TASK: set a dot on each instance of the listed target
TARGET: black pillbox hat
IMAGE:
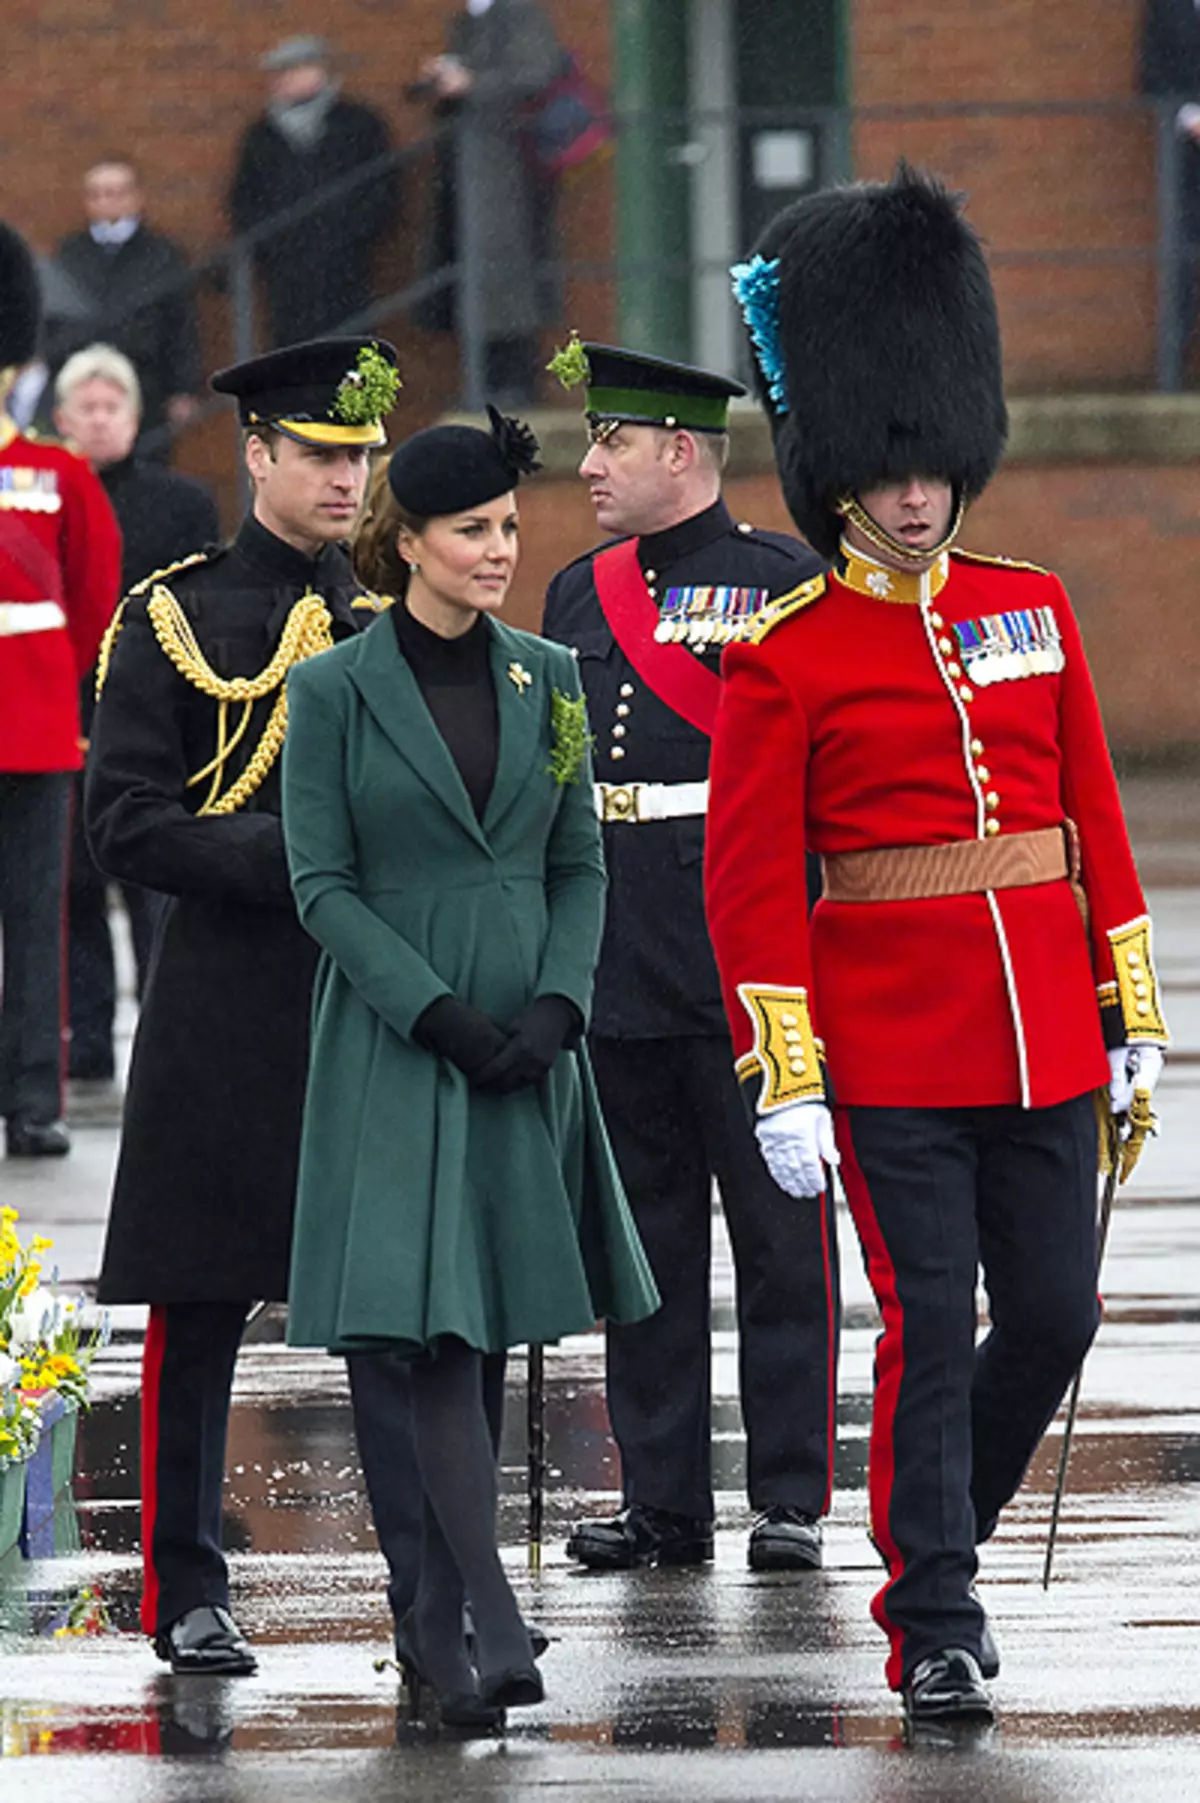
(448, 469)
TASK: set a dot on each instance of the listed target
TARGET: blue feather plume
(756, 290)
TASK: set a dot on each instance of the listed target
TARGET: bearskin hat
(877, 347)
(20, 299)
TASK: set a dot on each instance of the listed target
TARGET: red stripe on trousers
(152, 1358)
(889, 1371)
(832, 1344)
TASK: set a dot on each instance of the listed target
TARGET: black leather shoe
(947, 1685)
(207, 1640)
(36, 1139)
(517, 1687)
(641, 1536)
(785, 1539)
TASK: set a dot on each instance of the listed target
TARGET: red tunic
(866, 722)
(59, 543)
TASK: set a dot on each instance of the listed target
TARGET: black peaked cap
(298, 387)
(448, 469)
(890, 344)
(20, 300)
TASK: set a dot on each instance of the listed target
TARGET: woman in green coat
(457, 1195)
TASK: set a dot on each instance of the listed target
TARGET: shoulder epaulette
(1006, 563)
(209, 555)
(785, 606)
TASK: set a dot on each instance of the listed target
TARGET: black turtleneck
(455, 679)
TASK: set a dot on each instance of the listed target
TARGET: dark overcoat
(657, 977)
(142, 300)
(205, 1186)
(426, 1207)
(512, 53)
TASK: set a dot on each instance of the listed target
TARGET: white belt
(29, 616)
(650, 801)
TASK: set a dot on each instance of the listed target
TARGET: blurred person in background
(60, 555)
(501, 54)
(163, 516)
(317, 271)
(135, 294)
(1170, 73)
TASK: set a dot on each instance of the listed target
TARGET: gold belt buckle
(620, 801)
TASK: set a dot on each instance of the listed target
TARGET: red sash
(676, 677)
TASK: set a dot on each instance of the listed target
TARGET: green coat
(424, 1207)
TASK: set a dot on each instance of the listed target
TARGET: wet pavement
(713, 1684)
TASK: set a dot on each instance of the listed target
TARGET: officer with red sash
(60, 567)
(979, 964)
(649, 614)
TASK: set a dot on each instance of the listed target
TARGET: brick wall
(1125, 540)
(1079, 183)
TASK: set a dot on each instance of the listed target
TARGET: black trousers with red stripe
(187, 1376)
(677, 1120)
(937, 1193)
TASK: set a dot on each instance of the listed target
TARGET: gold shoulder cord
(107, 643)
(306, 632)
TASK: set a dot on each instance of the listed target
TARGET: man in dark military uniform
(182, 796)
(649, 615)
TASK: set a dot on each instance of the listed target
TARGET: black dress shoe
(456, 1708)
(206, 1640)
(36, 1139)
(947, 1686)
(641, 1536)
(785, 1539)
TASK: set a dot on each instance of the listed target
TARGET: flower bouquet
(45, 1354)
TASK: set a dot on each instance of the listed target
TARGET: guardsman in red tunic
(60, 567)
(980, 964)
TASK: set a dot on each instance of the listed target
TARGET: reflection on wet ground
(712, 1684)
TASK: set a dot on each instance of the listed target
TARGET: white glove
(797, 1143)
(1132, 1067)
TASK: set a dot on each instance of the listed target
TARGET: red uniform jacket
(59, 542)
(897, 711)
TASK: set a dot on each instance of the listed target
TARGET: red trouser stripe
(831, 1342)
(889, 1371)
(152, 1358)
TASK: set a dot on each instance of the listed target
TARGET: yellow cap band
(324, 432)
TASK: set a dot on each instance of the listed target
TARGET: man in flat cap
(979, 964)
(648, 615)
(318, 270)
(182, 796)
(60, 562)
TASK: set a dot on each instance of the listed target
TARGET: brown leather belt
(963, 867)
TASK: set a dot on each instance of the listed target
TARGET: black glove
(538, 1036)
(463, 1035)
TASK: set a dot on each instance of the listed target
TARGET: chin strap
(852, 509)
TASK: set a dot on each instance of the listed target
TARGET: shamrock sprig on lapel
(570, 738)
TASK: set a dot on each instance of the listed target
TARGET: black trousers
(936, 1193)
(676, 1121)
(379, 1386)
(33, 852)
(187, 1376)
(91, 968)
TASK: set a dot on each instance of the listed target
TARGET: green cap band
(650, 406)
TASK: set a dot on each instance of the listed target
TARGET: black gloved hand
(538, 1036)
(465, 1036)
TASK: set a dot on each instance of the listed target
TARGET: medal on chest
(702, 616)
(1006, 647)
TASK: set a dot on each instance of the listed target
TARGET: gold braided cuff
(1137, 986)
(785, 1054)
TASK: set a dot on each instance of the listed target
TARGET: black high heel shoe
(516, 1687)
(457, 1708)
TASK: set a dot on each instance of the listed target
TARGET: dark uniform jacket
(657, 978)
(204, 1193)
(142, 301)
